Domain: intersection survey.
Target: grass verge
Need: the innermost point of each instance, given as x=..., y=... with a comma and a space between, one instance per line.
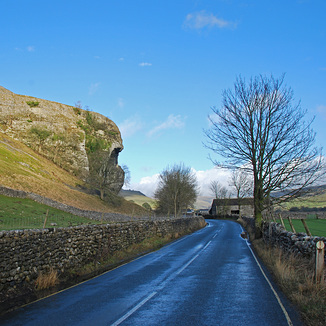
x=47, y=280
x=295, y=276
x=52, y=282
x=18, y=213
x=106, y=261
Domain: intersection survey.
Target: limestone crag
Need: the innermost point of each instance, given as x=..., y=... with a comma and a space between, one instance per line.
x=69, y=136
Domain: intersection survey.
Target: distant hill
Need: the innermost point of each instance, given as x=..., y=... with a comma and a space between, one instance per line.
x=129, y=193
x=204, y=202
x=137, y=197
x=308, y=192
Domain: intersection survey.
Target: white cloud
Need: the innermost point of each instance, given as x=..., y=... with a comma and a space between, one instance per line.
x=172, y=122
x=30, y=48
x=93, y=88
x=202, y=19
x=130, y=126
x=204, y=179
x=145, y=64
x=148, y=185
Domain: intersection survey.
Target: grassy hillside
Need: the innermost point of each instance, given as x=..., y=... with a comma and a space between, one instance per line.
x=318, y=200
x=204, y=202
x=23, y=169
x=17, y=213
x=137, y=197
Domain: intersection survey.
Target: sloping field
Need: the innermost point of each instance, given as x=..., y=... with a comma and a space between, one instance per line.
x=138, y=198
x=318, y=200
x=23, y=169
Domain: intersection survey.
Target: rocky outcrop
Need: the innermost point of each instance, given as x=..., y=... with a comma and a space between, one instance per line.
x=84, y=143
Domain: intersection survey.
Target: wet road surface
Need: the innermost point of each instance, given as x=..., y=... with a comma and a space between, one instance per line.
x=210, y=277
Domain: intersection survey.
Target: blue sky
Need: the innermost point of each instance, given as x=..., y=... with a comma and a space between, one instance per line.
x=157, y=67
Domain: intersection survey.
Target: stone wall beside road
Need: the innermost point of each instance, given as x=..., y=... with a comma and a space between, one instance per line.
x=24, y=254
x=275, y=235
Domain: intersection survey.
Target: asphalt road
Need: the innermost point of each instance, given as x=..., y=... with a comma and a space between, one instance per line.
x=210, y=277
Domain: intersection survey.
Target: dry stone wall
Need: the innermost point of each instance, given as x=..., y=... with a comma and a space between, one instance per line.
x=24, y=254
x=297, y=243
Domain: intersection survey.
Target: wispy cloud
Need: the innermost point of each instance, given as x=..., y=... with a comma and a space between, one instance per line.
x=172, y=122
x=202, y=19
x=145, y=64
x=30, y=48
x=322, y=109
x=130, y=126
x=121, y=102
x=93, y=88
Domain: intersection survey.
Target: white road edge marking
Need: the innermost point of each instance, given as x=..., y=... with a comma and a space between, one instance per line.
x=130, y=312
x=288, y=319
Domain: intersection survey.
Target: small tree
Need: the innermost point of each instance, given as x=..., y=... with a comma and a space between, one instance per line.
x=240, y=180
x=259, y=125
x=126, y=171
x=177, y=189
x=147, y=206
x=103, y=173
x=220, y=192
x=41, y=135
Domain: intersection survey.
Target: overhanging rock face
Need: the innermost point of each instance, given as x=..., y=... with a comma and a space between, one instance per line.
x=69, y=136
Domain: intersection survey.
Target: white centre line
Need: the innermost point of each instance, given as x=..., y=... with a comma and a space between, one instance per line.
x=207, y=245
x=140, y=304
x=185, y=266
x=130, y=312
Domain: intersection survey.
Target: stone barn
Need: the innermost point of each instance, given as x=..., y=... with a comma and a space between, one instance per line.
x=233, y=207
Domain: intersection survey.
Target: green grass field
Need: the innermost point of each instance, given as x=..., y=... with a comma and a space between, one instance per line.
x=17, y=213
x=316, y=227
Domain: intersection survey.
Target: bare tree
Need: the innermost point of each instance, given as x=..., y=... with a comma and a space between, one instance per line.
x=219, y=191
x=177, y=189
x=259, y=125
x=241, y=181
x=126, y=171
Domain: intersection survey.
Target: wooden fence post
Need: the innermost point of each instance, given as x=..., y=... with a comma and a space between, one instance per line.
x=46, y=218
x=320, y=256
x=306, y=227
x=282, y=222
x=291, y=224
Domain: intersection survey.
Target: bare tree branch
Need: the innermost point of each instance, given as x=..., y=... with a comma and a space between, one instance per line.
x=259, y=125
